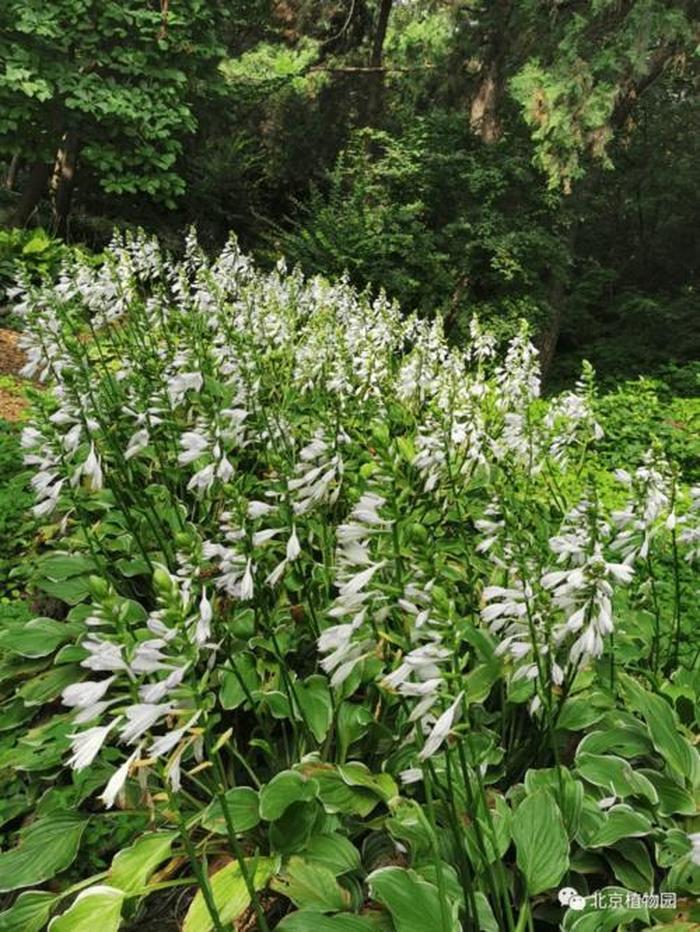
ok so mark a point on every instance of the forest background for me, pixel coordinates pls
(516, 159)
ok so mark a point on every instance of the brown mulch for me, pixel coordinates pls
(11, 356)
(12, 402)
(12, 406)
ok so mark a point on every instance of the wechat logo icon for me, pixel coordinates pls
(571, 898)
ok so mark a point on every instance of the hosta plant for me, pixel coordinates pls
(356, 632)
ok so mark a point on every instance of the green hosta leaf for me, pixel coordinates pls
(336, 852)
(285, 788)
(47, 686)
(97, 907)
(353, 721)
(311, 886)
(357, 774)
(336, 794)
(64, 566)
(14, 713)
(620, 822)
(292, 831)
(235, 684)
(615, 775)
(673, 798)
(624, 741)
(408, 824)
(567, 792)
(600, 913)
(242, 805)
(37, 638)
(541, 841)
(631, 864)
(46, 848)
(664, 728)
(493, 838)
(71, 591)
(487, 920)
(314, 697)
(230, 893)
(414, 903)
(672, 846)
(30, 912)
(309, 921)
(684, 877)
(579, 712)
(132, 866)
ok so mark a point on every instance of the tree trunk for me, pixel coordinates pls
(64, 183)
(549, 337)
(375, 89)
(484, 114)
(35, 189)
(11, 176)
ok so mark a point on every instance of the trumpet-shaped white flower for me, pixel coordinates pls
(140, 717)
(85, 694)
(440, 730)
(86, 745)
(118, 779)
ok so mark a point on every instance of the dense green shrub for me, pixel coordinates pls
(430, 218)
(31, 251)
(15, 500)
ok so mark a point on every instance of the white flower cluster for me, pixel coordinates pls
(265, 441)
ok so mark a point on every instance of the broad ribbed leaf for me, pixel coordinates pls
(97, 909)
(306, 921)
(242, 805)
(312, 886)
(664, 728)
(414, 903)
(284, 789)
(37, 638)
(132, 867)
(230, 893)
(29, 913)
(46, 848)
(541, 842)
(620, 822)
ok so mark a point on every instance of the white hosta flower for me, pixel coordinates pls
(103, 655)
(258, 509)
(411, 775)
(694, 840)
(358, 582)
(180, 384)
(92, 470)
(274, 577)
(140, 717)
(148, 656)
(90, 712)
(155, 692)
(86, 745)
(85, 694)
(293, 546)
(49, 500)
(247, 585)
(194, 443)
(203, 479)
(224, 469)
(202, 631)
(118, 779)
(137, 443)
(440, 730)
(261, 537)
